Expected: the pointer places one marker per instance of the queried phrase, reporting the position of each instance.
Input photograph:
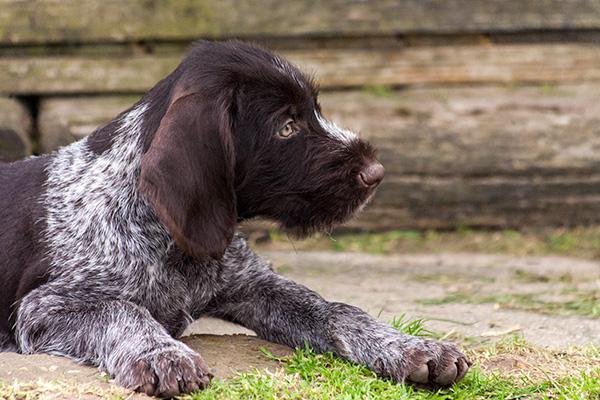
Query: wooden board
(549, 213)
(479, 131)
(334, 68)
(62, 121)
(77, 21)
(483, 156)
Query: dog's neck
(91, 196)
(122, 147)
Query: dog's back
(21, 250)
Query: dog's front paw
(165, 373)
(424, 362)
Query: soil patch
(46, 376)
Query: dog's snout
(372, 174)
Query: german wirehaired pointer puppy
(110, 246)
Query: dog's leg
(282, 311)
(116, 335)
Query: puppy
(112, 245)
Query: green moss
(548, 88)
(378, 90)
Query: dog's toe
(426, 363)
(447, 375)
(430, 374)
(166, 374)
(139, 377)
(420, 375)
(445, 366)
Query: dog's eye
(287, 130)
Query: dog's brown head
(236, 132)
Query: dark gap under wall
(32, 103)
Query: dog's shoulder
(21, 187)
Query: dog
(112, 245)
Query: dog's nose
(371, 175)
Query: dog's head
(242, 135)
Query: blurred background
(485, 112)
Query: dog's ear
(187, 175)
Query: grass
(508, 369)
(415, 327)
(307, 375)
(577, 242)
(581, 302)
(312, 376)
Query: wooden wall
(485, 112)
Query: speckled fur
(119, 290)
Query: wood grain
(81, 21)
(334, 68)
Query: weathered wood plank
(45, 21)
(15, 127)
(43, 75)
(563, 212)
(480, 131)
(62, 121)
(335, 68)
(509, 192)
(483, 156)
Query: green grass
(541, 374)
(578, 242)
(307, 375)
(415, 327)
(375, 242)
(313, 376)
(510, 369)
(585, 303)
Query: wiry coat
(111, 246)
